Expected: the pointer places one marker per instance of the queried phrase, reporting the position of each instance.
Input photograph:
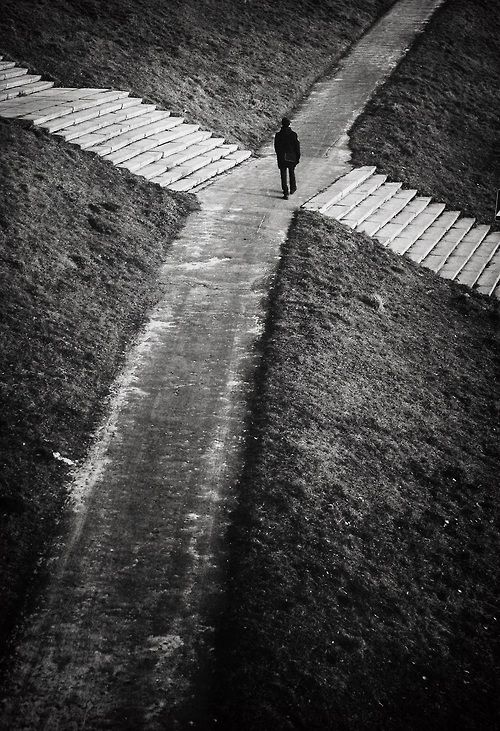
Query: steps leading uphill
(415, 226)
(149, 142)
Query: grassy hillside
(236, 66)
(435, 125)
(80, 246)
(366, 545)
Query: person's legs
(284, 181)
(293, 184)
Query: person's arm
(297, 148)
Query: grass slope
(366, 543)
(80, 248)
(235, 66)
(435, 125)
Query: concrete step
(463, 252)
(372, 203)
(18, 81)
(131, 108)
(386, 212)
(489, 281)
(28, 87)
(88, 113)
(396, 225)
(477, 264)
(189, 167)
(12, 72)
(210, 171)
(7, 65)
(62, 109)
(156, 162)
(431, 237)
(144, 142)
(437, 257)
(135, 116)
(339, 189)
(355, 197)
(168, 149)
(402, 242)
(154, 122)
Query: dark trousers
(284, 182)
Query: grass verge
(235, 66)
(366, 544)
(80, 248)
(434, 125)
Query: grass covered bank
(434, 125)
(235, 66)
(80, 248)
(366, 543)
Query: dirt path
(123, 635)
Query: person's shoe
(285, 196)
(292, 190)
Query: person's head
(285, 122)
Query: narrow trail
(123, 635)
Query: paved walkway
(123, 637)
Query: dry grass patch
(366, 543)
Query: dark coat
(287, 147)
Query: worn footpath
(123, 634)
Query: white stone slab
(339, 189)
(463, 252)
(386, 212)
(388, 232)
(478, 262)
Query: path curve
(123, 636)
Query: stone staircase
(415, 226)
(121, 129)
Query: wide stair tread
(402, 242)
(7, 65)
(191, 166)
(396, 225)
(355, 197)
(444, 247)
(88, 113)
(386, 212)
(146, 158)
(131, 107)
(117, 124)
(18, 81)
(431, 237)
(11, 72)
(157, 161)
(488, 282)
(463, 252)
(154, 122)
(339, 189)
(151, 141)
(368, 206)
(30, 87)
(210, 171)
(67, 107)
(478, 263)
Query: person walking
(287, 148)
